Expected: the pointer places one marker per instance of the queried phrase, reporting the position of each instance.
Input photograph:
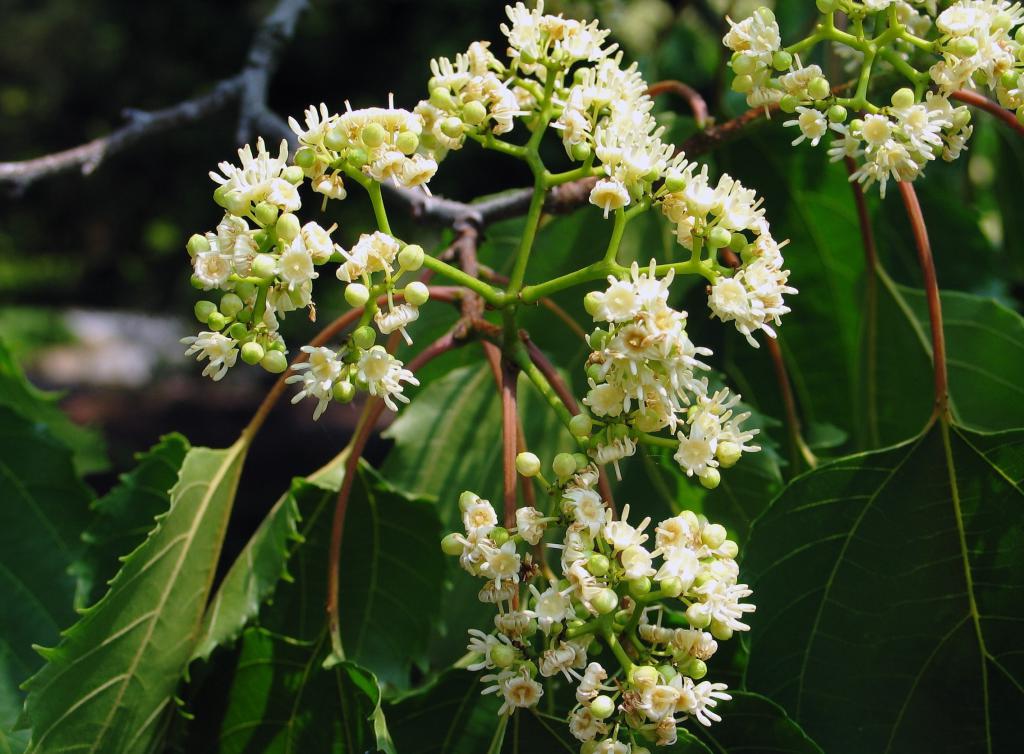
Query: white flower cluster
(980, 44)
(615, 587)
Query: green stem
(584, 171)
(260, 306)
(620, 654)
(491, 295)
(617, 230)
(661, 442)
(525, 363)
(589, 627)
(515, 282)
(373, 189)
(594, 271)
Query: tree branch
(993, 108)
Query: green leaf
(109, 684)
(44, 509)
(889, 590)
(750, 722)
(18, 394)
(449, 716)
(125, 515)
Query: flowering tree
(598, 617)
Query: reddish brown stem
(698, 106)
(993, 108)
(367, 421)
(509, 439)
(931, 287)
(799, 447)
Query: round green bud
(216, 321)
(719, 237)
(589, 747)
(598, 564)
(1009, 80)
(499, 535)
(502, 655)
(411, 257)
(696, 669)
(781, 60)
(245, 289)
(963, 47)
(789, 103)
(197, 244)
(581, 152)
(582, 613)
(742, 84)
(252, 353)
(644, 676)
(244, 316)
(343, 391)
(603, 706)
(467, 499)
(356, 294)
(357, 157)
(288, 227)
(961, 117)
(698, 616)
(713, 535)
(903, 98)
(450, 544)
(594, 372)
(274, 362)
(442, 98)
(729, 549)
(277, 345)
(671, 587)
(605, 601)
(220, 195)
(581, 425)
(364, 337)
(639, 587)
(230, 304)
(592, 302)
(238, 331)
(266, 213)
(720, 631)
(837, 114)
(618, 431)
(599, 339)
(407, 142)
(710, 478)
(738, 242)
(416, 293)
(827, 6)
(474, 113)
(264, 267)
(667, 672)
(373, 135)
(236, 203)
(818, 87)
(581, 461)
(203, 310)
(728, 453)
(451, 127)
(743, 65)
(564, 465)
(351, 356)
(675, 181)
(335, 139)
(305, 158)
(293, 174)
(527, 464)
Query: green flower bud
(450, 544)
(720, 631)
(499, 535)
(827, 6)
(581, 425)
(527, 464)
(274, 362)
(728, 453)
(961, 118)
(903, 98)
(288, 227)
(644, 676)
(335, 139)
(696, 669)
(373, 135)
(264, 267)
(407, 142)
(564, 465)
(416, 293)
(581, 152)
(605, 601)
(671, 587)
(592, 302)
(713, 535)
(245, 289)
(719, 237)
(305, 158)
(411, 257)
(594, 372)
(203, 310)
(698, 616)
(357, 157)
(238, 331)
(236, 203)
(742, 84)
(598, 564)
(364, 337)
(252, 352)
(293, 174)
(244, 316)
(818, 88)
(639, 587)
(451, 127)
(356, 294)
(729, 549)
(230, 304)
(963, 47)
(667, 672)
(744, 65)
(216, 321)
(1009, 79)
(467, 499)
(197, 244)
(789, 103)
(266, 213)
(581, 461)
(674, 182)
(220, 195)
(765, 15)
(837, 114)
(582, 613)
(502, 655)
(277, 345)
(442, 98)
(474, 113)
(343, 391)
(603, 706)
(781, 60)
(710, 478)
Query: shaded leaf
(750, 722)
(449, 716)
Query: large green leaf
(44, 509)
(750, 722)
(449, 716)
(889, 589)
(109, 684)
(125, 515)
(18, 394)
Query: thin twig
(800, 449)
(931, 287)
(509, 441)
(698, 106)
(993, 108)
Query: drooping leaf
(125, 515)
(18, 394)
(891, 581)
(109, 684)
(44, 509)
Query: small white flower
(384, 375)
(219, 349)
(609, 195)
(812, 124)
(295, 265)
(530, 524)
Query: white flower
(636, 562)
(219, 349)
(586, 507)
(283, 195)
(620, 534)
(295, 265)
(609, 195)
(481, 643)
(503, 563)
(318, 375)
(812, 124)
(700, 700)
(479, 517)
(252, 180)
(397, 318)
(550, 606)
(557, 660)
(318, 242)
(530, 524)
(584, 726)
(591, 683)
(723, 603)
(696, 452)
(384, 375)
(212, 269)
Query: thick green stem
(529, 234)
(617, 230)
(620, 654)
(491, 295)
(373, 189)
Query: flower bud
(696, 668)
(963, 47)
(728, 453)
(467, 499)
(216, 321)
(502, 655)
(605, 601)
(719, 237)
(789, 103)
(266, 213)
(252, 353)
(416, 293)
(698, 616)
(305, 158)
(527, 464)
(274, 362)
(639, 587)
(335, 139)
(581, 152)
(581, 425)
(720, 631)
(667, 672)
(238, 331)
(743, 64)
(288, 227)
(356, 294)
(592, 302)
(364, 337)
(407, 142)
(197, 244)
(499, 535)
(671, 587)
(837, 114)
(564, 465)
(742, 84)
(343, 391)
(903, 98)
(264, 267)
(710, 478)
(203, 310)
(729, 549)
(474, 113)
(236, 203)
(442, 98)
(581, 461)
(598, 564)
(373, 135)
(781, 60)
(230, 304)
(244, 316)
(220, 195)
(713, 535)
(644, 676)
(603, 706)
(411, 257)
(450, 544)
(818, 88)
(451, 127)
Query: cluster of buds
(603, 622)
(978, 43)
